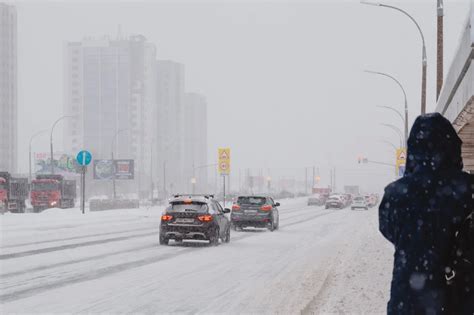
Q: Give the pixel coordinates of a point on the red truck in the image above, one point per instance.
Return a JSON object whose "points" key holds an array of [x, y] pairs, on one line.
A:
{"points": [[52, 191], [13, 193]]}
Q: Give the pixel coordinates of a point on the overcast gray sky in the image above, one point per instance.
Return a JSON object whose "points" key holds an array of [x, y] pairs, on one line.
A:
{"points": [[283, 79]]}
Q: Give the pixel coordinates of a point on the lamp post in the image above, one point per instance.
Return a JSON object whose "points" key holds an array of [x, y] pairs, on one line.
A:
{"points": [[390, 144], [397, 130], [404, 96], [396, 111], [112, 156], [439, 58], [51, 139], [423, 58], [399, 115], [29, 149]]}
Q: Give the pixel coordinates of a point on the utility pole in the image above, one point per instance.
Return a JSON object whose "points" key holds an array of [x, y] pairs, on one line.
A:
{"points": [[330, 178], [334, 174], [151, 172], [314, 175], [440, 48], [164, 180], [305, 180]]}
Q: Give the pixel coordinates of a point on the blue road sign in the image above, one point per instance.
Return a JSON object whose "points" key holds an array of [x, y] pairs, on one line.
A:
{"points": [[401, 170], [84, 158]]}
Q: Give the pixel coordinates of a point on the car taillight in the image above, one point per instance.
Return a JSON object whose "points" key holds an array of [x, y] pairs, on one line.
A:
{"points": [[205, 218], [266, 208], [235, 207], [166, 217]]}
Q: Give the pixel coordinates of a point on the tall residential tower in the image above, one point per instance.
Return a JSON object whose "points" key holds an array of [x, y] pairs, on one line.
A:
{"points": [[8, 88], [110, 91]]}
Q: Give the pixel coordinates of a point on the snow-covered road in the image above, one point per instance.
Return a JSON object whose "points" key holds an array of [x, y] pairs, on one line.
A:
{"points": [[327, 261]]}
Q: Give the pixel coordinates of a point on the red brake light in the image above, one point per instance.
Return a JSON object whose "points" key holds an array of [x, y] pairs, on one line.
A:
{"points": [[266, 208], [205, 218], [166, 217], [235, 207]]}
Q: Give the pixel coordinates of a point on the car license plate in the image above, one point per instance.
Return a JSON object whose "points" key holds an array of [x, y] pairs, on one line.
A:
{"points": [[250, 211], [184, 220]]}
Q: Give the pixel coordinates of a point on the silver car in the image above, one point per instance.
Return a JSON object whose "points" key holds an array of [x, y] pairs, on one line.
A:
{"points": [[359, 202]]}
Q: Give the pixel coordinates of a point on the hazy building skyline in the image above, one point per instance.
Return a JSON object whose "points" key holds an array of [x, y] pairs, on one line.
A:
{"points": [[169, 124], [195, 141], [110, 94], [8, 89], [286, 62]]}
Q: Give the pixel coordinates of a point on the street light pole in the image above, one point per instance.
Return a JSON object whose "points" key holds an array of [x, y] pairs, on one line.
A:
{"points": [[397, 130], [396, 111], [29, 149], [440, 48], [404, 95], [112, 156], [424, 58], [399, 114], [51, 139], [390, 144]]}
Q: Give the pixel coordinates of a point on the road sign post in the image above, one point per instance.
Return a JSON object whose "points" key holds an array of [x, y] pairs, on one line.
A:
{"points": [[223, 155], [84, 158], [401, 160]]}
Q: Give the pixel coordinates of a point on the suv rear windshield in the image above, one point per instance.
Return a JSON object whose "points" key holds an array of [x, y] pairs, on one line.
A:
{"points": [[182, 206], [258, 201]]}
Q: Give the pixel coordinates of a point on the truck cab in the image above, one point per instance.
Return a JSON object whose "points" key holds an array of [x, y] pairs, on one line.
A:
{"points": [[13, 193], [52, 191]]}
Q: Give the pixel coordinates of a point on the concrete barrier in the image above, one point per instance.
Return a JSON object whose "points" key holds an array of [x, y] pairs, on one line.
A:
{"points": [[107, 204]]}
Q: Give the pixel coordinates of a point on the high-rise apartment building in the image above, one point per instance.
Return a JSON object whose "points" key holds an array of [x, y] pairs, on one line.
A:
{"points": [[170, 122], [110, 92], [195, 141], [8, 88]]}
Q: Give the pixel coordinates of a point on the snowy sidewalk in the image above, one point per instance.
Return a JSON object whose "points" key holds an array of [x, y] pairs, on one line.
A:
{"points": [[359, 279]]}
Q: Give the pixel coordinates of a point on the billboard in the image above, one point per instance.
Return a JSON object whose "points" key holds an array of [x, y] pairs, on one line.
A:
{"points": [[124, 169], [63, 164], [113, 169]]}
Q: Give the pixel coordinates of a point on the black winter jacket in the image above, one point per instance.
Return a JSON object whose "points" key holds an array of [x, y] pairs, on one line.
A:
{"points": [[419, 215]]}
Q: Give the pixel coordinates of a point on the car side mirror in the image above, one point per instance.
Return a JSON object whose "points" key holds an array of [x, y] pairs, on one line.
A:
{"points": [[226, 210], [277, 204]]}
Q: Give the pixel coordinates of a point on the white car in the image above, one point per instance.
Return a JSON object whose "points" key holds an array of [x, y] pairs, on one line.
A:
{"points": [[359, 202]]}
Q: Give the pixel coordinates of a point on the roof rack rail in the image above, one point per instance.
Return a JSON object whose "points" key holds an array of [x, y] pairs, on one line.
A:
{"points": [[208, 196]]}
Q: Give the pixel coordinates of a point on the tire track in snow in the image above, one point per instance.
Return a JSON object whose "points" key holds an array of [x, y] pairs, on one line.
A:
{"points": [[70, 246], [107, 271], [75, 237], [75, 261]]}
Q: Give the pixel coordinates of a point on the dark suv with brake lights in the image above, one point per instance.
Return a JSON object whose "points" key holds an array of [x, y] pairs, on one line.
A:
{"points": [[255, 211], [194, 217]]}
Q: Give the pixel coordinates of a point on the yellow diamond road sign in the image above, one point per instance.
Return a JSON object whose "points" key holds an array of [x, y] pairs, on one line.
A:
{"points": [[224, 161]]}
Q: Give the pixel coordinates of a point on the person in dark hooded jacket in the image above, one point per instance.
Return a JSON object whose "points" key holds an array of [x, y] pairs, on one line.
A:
{"points": [[420, 213]]}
